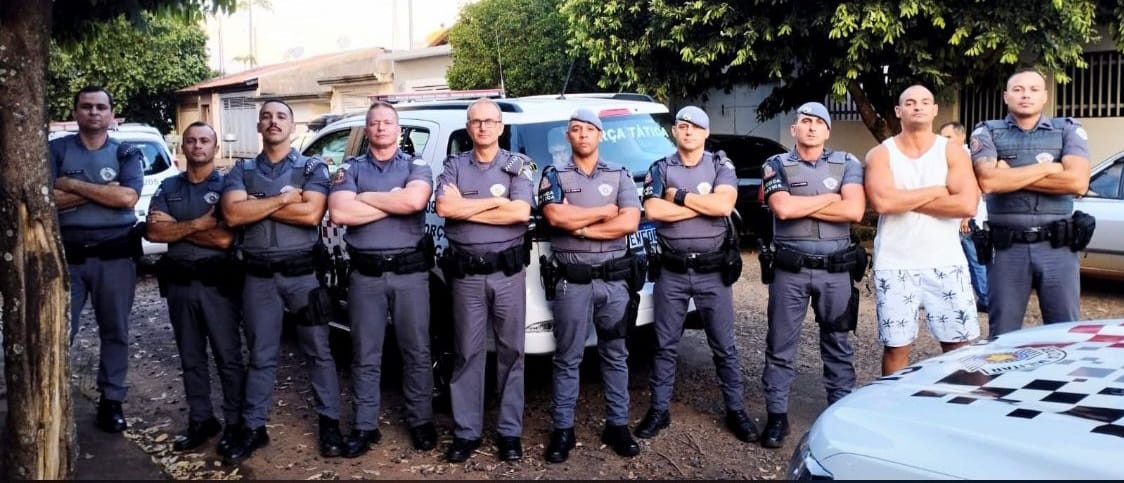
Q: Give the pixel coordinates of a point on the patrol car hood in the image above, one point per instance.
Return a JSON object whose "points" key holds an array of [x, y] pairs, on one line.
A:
{"points": [[1046, 403]]}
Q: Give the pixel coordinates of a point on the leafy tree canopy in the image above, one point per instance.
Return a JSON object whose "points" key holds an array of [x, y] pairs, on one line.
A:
{"points": [[869, 49], [141, 67], [528, 37]]}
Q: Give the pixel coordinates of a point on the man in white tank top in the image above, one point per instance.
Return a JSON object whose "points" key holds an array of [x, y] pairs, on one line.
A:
{"points": [[921, 186]]}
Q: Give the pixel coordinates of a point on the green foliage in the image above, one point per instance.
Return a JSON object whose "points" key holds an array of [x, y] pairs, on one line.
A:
{"points": [[141, 67], [528, 37], [808, 50], [71, 19]]}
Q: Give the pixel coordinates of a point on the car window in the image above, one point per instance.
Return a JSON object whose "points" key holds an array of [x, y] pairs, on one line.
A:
{"points": [[459, 141], [332, 148], [413, 140], [1106, 184], [748, 153], [634, 140], [155, 159]]}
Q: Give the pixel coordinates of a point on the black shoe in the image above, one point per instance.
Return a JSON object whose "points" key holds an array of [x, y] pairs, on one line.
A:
{"points": [[331, 440], [618, 438], [198, 432], [360, 441], [653, 422], [738, 422], [775, 430], [423, 436], [510, 448], [461, 449], [229, 438], [561, 442], [110, 418], [247, 443]]}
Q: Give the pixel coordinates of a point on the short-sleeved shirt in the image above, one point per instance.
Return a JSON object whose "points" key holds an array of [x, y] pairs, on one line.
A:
{"points": [[608, 183], [365, 173], [1075, 141], [776, 180], [508, 176], [114, 161], [701, 233], [183, 200]]}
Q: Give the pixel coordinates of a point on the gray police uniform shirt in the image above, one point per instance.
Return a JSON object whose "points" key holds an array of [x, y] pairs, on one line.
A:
{"points": [[787, 172], [609, 183], [183, 200], [1048, 141], [509, 176], [261, 179], [114, 161], [361, 174], [702, 233]]}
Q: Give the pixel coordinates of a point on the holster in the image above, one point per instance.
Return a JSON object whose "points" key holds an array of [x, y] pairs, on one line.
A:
{"points": [[1083, 226], [320, 310], [732, 256], [848, 321], [862, 261], [766, 258], [548, 275], [653, 257]]}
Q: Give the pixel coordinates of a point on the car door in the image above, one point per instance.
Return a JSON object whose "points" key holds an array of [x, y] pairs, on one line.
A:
{"points": [[1105, 201]]}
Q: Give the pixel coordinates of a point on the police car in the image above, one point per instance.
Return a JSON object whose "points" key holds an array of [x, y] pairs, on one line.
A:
{"points": [[159, 163], [1039, 403], [636, 133]]}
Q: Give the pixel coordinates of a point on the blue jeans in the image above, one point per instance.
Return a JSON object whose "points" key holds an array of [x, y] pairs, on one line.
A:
{"points": [[977, 270]]}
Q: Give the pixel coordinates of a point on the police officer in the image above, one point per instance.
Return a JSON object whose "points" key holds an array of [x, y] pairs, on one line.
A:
{"points": [[381, 197], [1032, 166], [203, 303], [97, 181], [690, 194], [815, 194], [278, 200], [485, 196], [592, 206]]}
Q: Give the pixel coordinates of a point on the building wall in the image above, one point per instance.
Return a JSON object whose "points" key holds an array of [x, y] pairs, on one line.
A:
{"points": [[423, 73]]}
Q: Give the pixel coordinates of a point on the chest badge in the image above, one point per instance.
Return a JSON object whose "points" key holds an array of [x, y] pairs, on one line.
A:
{"points": [[211, 197], [108, 174], [1044, 157], [605, 189], [831, 183], [497, 189], [704, 188]]}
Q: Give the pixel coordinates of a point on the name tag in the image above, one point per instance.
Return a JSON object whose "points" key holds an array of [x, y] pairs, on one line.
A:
{"points": [[470, 193], [798, 184]]}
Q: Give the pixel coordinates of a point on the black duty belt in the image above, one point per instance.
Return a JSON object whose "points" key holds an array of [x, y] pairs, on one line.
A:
{"points": [[458, 264], [1030, 235], [295, 266], [680, 262], [400, 263], [208, 271], [794, 261], [611, 270], [115, 248]]}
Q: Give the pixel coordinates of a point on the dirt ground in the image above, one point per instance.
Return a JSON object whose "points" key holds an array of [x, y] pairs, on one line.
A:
{"points": [[696, 446]]}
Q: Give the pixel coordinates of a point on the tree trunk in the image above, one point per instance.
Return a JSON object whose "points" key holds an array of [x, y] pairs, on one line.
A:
{"points": [[39, 443], [881, 127]]}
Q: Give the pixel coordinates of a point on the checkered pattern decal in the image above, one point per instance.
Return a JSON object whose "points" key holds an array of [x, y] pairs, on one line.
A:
{"points": [[1076, 378]]}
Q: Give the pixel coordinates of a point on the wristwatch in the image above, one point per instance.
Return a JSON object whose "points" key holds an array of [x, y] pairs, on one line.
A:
{"points": [[581, 232], [680, 197]]}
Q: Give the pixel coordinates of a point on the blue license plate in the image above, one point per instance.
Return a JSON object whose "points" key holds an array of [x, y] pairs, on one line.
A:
{"points": [[646, 234]]}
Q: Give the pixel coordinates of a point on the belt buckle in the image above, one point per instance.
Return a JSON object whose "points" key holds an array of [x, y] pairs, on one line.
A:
{"points": [[1034, 234], [816, 262]]}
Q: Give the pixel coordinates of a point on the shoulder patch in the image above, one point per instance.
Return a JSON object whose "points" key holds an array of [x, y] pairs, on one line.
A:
{"points": [[419, 162], [339, 176], [768, 172], [1080, 132]]}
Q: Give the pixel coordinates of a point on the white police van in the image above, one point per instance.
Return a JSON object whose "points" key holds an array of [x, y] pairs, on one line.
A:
{"points": [[159, 163], [636, 133], [1040, 403]]}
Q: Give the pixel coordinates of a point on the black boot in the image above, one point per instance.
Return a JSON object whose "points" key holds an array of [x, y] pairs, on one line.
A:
{"points": [[110, 418], [509, 448], [360, 441], [618, 438], [775, 430], [331, 440], [229, 438], [738, 422], [250, 440], [653, 422], [423, 437], [561, 442], [198, 432], [461, 449]]}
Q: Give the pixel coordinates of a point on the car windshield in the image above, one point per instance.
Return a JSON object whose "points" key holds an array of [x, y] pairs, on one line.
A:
{"points": [[634, 140], [155, 160]]}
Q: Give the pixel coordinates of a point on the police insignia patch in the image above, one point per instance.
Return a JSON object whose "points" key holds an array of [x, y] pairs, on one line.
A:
{"points": [[339, 176], [768, 172], [1080, 132], [108, 174], [604, 189], [974, 145], [1044, 157], [830, 183], [704, 188], [211, 197], [497, 189]]}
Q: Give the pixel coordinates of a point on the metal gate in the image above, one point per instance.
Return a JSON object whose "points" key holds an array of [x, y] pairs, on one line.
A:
{"points": [[239, 122]]}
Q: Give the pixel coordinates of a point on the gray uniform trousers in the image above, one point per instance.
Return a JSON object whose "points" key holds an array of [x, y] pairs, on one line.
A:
{"points": [[715, 304], [110, 285], [264, 302], [200, 314], [405, 298], [1053, 272], [788, 304], [481, 302], [577, 309]]}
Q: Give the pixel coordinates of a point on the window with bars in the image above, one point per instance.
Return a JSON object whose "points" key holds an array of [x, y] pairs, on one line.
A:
{"points": [[1095, 91], [977, 104]]}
